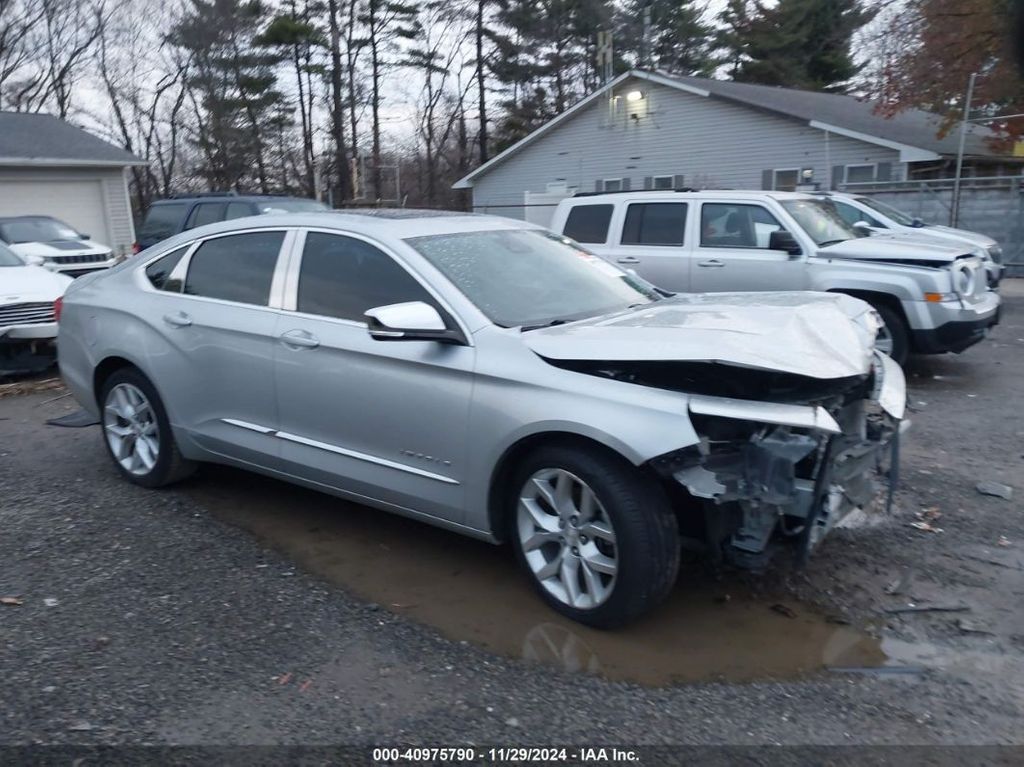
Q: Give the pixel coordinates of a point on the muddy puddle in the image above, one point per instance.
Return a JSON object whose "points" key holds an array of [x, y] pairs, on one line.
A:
{"points": [[472, 591]]}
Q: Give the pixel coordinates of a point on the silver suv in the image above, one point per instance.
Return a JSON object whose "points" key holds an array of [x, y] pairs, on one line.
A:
{"points": [[490, 377], [933, 298]]}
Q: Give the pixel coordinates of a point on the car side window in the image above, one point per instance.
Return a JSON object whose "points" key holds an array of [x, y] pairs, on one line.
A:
{"points": [[588, 223], [159, 272], [162, 221], [206, 213], [239, 267], [654, 223], [852, 215], [344, 277], [238, 210], [728, 225]]}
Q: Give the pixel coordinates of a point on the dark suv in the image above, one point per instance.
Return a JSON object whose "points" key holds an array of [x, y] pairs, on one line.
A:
{"points": [[166, 218]]}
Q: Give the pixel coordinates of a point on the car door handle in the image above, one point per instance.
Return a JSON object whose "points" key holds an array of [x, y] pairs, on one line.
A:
{"points": [[628, 260], [299, 339], [179, 320], [710, 262]]}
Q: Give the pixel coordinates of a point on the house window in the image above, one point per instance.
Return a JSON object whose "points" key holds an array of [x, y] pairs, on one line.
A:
{"points": [[785, 179], [861, 174], [612, 185], [664, 182]]}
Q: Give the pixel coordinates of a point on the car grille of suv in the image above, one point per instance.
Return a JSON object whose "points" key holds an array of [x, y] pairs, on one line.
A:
{"points": [[87, 259], [27, 314]]}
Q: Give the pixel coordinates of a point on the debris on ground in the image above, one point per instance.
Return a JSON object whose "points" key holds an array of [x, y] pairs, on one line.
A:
{"points": [[783, 610], [912, 608], [995, 489], [12, 601], [51, 602], [1003, 541], [17, 388], [899, 585], [967, 627], [81, 727], [928, 527]]}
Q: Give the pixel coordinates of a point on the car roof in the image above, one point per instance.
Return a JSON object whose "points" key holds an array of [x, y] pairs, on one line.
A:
{"points": [[34, 217], [385, 224], [597, 197], [227, 198]]}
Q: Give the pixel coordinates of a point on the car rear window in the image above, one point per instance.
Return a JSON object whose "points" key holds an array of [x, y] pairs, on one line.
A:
{"points": [[206, 213], [588, 223], [160, 270], [654, 223], [239, 267], [162, 221]]}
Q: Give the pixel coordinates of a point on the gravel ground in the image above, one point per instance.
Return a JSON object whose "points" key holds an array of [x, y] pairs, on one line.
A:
{"points": [[144, 619]]}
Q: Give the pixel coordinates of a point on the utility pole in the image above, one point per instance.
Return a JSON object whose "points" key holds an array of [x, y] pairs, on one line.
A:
{"points": [[954, 210]]}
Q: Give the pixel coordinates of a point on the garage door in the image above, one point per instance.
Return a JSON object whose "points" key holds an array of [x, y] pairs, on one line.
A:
{"points": [[79, 203]]}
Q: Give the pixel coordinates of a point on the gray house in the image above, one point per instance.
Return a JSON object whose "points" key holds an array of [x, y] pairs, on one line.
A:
{"points": [[646, 130], [50, 167]]}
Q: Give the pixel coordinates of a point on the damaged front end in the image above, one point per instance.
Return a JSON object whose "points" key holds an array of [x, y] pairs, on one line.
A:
{"points": [[766, 472]]}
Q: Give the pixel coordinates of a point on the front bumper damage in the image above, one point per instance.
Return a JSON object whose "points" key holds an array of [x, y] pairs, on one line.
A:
{"points": [[767, 473]]}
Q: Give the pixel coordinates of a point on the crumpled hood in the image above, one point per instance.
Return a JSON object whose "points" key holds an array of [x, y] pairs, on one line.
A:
{"points": [[818, 335], [30, 284], [949, 234], [59, 248], [895, 248]]}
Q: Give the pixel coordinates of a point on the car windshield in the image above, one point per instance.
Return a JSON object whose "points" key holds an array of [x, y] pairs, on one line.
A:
{"points": [[37, 230], [889, 211], [531, 278], [8, 257], [291, 206], [821, 221]]}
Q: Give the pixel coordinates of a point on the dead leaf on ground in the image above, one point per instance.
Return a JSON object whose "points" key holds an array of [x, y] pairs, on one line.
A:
{"points": [[1003, 541], [12, 601]]}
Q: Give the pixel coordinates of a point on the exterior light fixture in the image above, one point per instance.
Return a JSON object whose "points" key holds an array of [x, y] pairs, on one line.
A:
{"points": [[634, 96]]}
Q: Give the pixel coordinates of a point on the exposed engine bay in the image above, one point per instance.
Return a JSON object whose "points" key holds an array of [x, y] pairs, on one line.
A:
{"points": [[798, 455]]}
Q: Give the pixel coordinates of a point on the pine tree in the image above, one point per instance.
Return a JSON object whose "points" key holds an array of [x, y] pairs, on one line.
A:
{"points": [[680, 40], [802, 44]]}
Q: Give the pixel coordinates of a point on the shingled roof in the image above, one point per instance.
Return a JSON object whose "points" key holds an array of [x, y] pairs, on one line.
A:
{"points": [[41, 139]]}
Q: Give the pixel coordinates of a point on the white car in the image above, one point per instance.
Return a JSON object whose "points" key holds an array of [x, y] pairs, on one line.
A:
{"points": [[61, 247], [881, 218], [28, 316]]}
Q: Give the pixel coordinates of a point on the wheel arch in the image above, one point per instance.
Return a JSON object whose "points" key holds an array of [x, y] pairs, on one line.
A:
{"points": [[498, 509], [106, 368], [876, 297]]}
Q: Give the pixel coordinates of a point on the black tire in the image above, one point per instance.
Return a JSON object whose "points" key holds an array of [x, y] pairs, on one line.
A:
{"points": [[170, 465], [646, 547], [898, 330]]}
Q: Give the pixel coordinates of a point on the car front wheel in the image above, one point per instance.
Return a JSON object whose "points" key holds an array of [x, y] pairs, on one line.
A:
{"points": [[137, 433], [596, 536]]}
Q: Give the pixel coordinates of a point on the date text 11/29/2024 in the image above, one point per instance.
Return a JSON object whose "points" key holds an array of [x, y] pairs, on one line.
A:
{"points": [[502, 755]]}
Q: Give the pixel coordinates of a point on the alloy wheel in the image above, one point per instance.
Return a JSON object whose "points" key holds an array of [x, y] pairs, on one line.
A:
{"points": [[130, 426], [883, 340], [567, 538]]}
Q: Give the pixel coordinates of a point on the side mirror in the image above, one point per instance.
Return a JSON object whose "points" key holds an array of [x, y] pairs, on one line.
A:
{"points": [[411, 321], [917, 223], [863, 227], [780, 239], [34, 260], [85, 235]]}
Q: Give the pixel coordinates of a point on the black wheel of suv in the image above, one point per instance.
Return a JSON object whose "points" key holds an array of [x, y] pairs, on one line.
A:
{"points": [[894, 338], [597, 538], [137, 433]]}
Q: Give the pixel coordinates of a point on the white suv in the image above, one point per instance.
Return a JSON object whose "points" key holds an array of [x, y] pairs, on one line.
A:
{"points": [[933, 298]]}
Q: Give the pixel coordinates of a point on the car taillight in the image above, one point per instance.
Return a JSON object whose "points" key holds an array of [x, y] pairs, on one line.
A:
{"points": [[136, 248], [58, 307]]}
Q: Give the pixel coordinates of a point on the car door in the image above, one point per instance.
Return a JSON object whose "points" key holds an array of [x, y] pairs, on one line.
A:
{"points": [[652, 242], [732, 252], [212, 307], [380, 419]]}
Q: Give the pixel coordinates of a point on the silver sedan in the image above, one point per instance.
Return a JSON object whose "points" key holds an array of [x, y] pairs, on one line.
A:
{"points": [[487, 376]]}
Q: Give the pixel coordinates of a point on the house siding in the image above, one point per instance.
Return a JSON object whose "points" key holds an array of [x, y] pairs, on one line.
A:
{"points": [[709, 142]]}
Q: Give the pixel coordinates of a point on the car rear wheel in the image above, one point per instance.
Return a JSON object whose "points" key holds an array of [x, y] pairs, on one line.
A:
{"points": [[137, 433], [893, 337], [596, 536]]}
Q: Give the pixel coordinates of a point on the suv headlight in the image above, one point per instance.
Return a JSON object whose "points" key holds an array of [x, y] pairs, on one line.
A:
{"points": [[965, 279]]}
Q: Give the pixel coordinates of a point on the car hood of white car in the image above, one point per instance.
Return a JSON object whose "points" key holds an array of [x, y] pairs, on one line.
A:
{"points": [[895, 248], [60, 248], [818, 335], [30, 284]]}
